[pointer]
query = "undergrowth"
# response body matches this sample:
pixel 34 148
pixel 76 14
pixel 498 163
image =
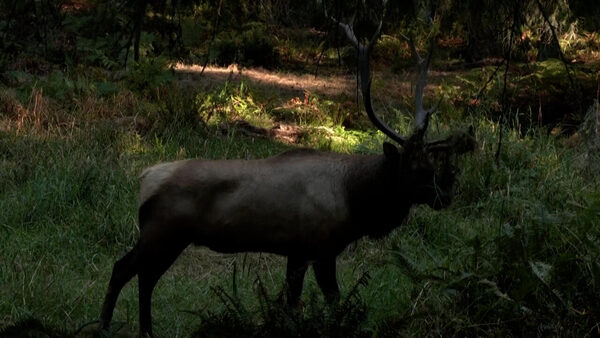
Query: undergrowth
pixel 347 318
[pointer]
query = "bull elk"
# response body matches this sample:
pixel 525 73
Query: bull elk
pixel 303 204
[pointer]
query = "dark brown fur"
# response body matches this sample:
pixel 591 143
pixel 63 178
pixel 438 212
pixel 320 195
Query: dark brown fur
pixel 274 205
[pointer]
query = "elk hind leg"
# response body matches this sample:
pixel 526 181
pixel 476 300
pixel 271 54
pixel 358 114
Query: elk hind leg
pixel 157 260
pixel 123 270
pixel 326 278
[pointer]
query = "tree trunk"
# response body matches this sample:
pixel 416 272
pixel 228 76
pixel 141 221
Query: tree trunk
pixel 139 14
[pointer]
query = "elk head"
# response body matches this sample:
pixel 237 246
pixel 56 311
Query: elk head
pixel 428 168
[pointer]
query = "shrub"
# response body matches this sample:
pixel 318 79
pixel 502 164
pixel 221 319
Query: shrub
pixel 150 73
pixel 274 319
pixel 253 46
pixel 257 46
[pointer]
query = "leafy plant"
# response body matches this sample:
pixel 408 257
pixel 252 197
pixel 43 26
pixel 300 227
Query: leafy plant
pixel 149 74
pixel 229 103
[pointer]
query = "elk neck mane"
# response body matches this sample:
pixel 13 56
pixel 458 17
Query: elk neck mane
pixel 377 207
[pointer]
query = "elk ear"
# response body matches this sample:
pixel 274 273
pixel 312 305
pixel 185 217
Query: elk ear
pixel 390 150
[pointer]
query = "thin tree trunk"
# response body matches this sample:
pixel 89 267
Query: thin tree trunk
pixel 213 35
pixel 504 99
pixel 140 13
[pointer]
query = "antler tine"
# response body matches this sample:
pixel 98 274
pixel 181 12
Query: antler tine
pixel 378 30
pixel 365 74
pixel 346 27
pixel 421 114
pixel 378 122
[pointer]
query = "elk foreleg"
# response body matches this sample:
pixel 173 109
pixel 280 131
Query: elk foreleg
pixel 296 268
pixel 325 274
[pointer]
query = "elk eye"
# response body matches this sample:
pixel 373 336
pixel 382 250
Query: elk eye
pixel 418 167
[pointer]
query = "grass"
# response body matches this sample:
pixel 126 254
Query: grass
pixel 516 254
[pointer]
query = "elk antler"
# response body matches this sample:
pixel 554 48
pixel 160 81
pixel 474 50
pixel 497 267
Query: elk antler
pixel 365 73
pixel 422 115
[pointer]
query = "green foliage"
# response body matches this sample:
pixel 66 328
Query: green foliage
pixel 33 29
pixel 228 103
pixel 311 110
pixel 257 46
pixel 226 49
pixel 527 265
pixel 391 50
pixel 149 74
pixel 95 52
pixel 337 139
pixel 178 109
